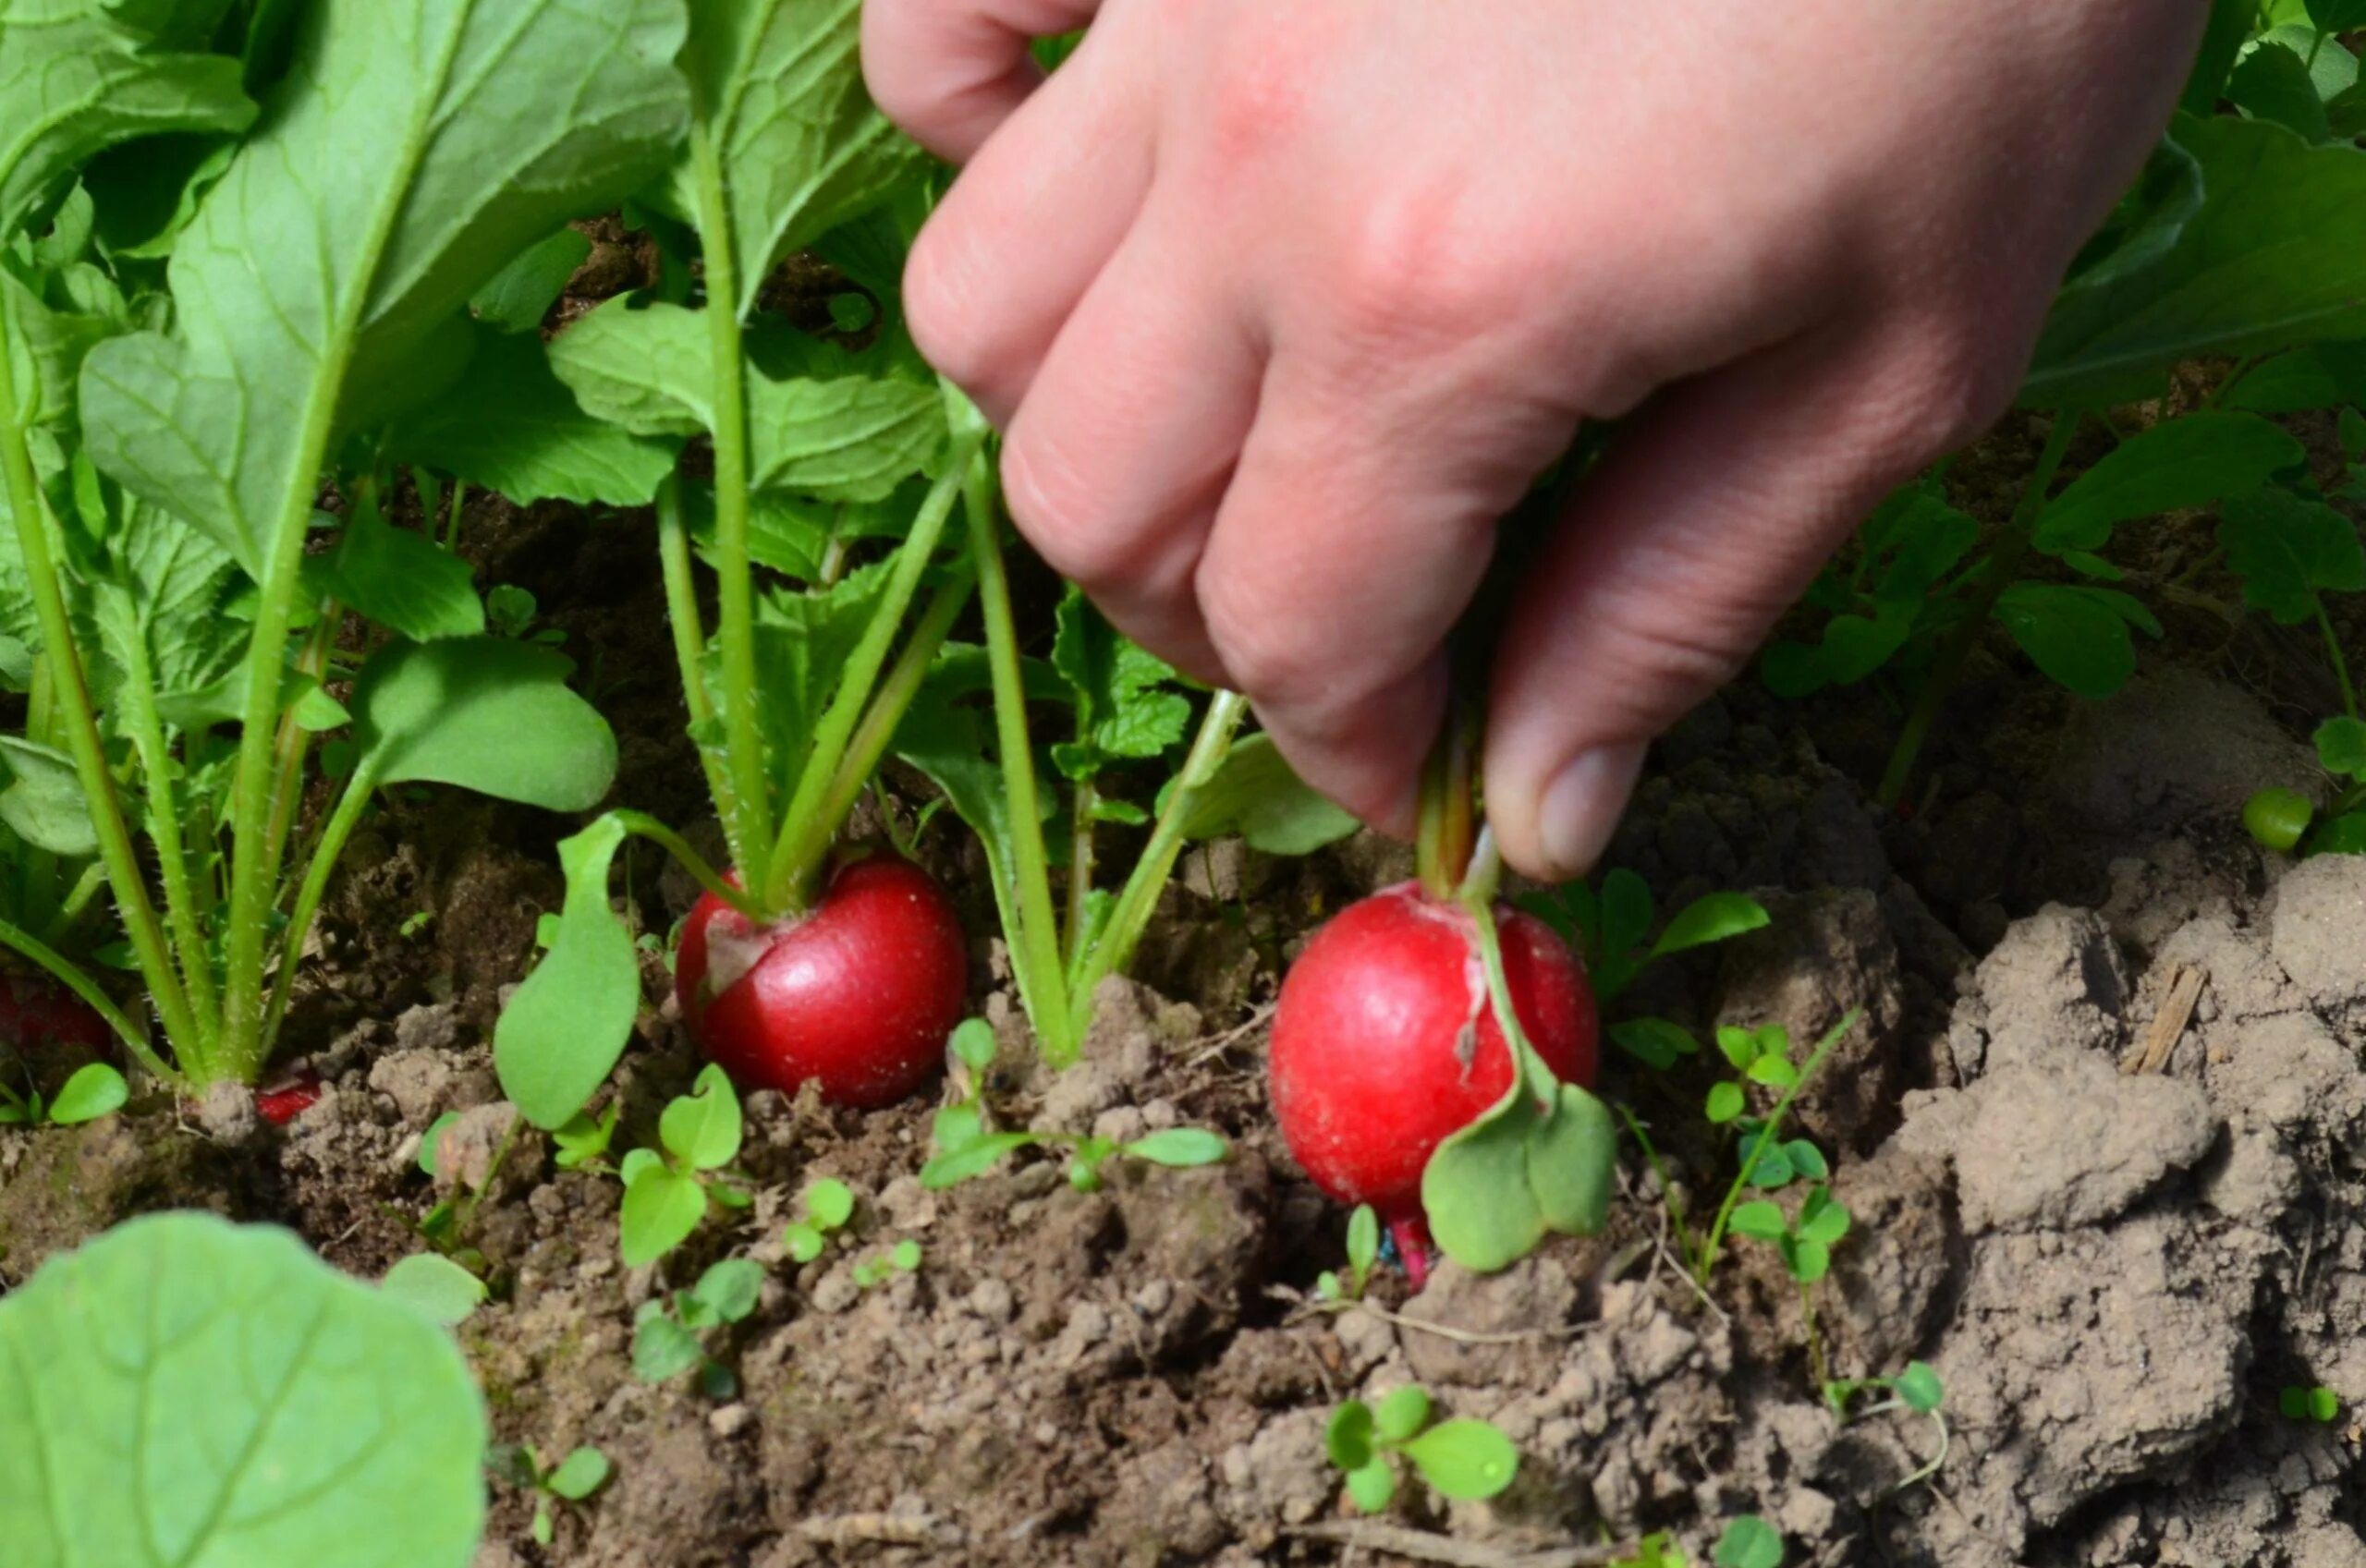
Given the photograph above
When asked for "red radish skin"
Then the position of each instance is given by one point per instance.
(37, 1011)
(288, 1099)
(1374, 1060)
(858, 996)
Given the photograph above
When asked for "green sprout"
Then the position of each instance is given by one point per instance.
(1749, 1542)
(668, 1190)
(669, 1332)
(1917, 1389)
(2318, 1404)
(1806, 1245)
(1363, 1249)
(93, 1091)
(829, 1204)
(901, 1259)
(1461, 1458)
(572, 1479)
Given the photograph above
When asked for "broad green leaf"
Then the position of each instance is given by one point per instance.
(412, 152)
(2185, 462)
(1255, 795)
(1717, 916)
(1400, 1413)
(780, 88)
(729, 1288)
(185, 1392)
(510, 426)
(2078, 635)
(2287, 548)
(2323, 375)
(972, 1158)
(663, 1349)
(2274, 256)
(1464, 1459)
(841, 435)
(160, 598)
(1349, 1438)
(516, 298)
(1749, 1542)
(45, 351)
(582, 1473)
(80, 76)
(1126, 704)
(95, 1090)
(1180, 1145)
(2341, 745)
(662, 1207)
(561, 1034)
(485, 714)
(403, 581)
(1482, 1207)
(43, 803)
(1920, 1387)
(702, 1128)
(1572, 1162)
(2272, 83)
(434, 1286)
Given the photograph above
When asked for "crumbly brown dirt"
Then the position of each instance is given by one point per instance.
(2114, 1273)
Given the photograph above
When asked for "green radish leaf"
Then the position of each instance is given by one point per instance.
(1482, 1207)
(830, 1202)
(582, 1473)
(1759, 1219)
(1920, 1387)
(729, 1288)
(2324, 1403)
(45, 350)
(2077, 635)
(2272, 83)
(1572, 1162)
(663, 1349)
(2324, 376)
(803, 639)
(1180, 1147)
(1254, 793)
(561, 1033)
(435, 1286)
(2274, 256)
(2341, 745)
(1625, 912)
(93, 1091)
(1717, 916)
(2345, 834)
(324, 1388)
(511, 427)
(955, 1127)
(1400, 1414)
(1655, 1042)
(2184, 462)
(1749, 1542)
(803, 1241)
(801, 148)
(1464, 1459)
(634, 1161)
(81, 76)
(1349, 1438)
(972, 1158)
(516, 298)
(702, 1128)
(44, 804)
(323, 277)
(1726, 1101)
(1127, 706)
(662, 1207)
(402, 580)
(485, 714)
(2287, 548)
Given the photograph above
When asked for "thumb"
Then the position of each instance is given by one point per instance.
(1710, 516)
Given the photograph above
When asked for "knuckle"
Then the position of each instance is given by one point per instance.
(1417, 274)
(1054, 504)
(940, 306)
(1947, 383)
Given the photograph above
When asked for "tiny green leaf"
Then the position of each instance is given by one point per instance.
(830, 1203)
(955, 1127)
(662, 1348)
(1807, 1260)
(1372, 1486)
(1821, 1218)
(1717, 916)
(906, 1254)
(1806, 1160)
(2341, 745)
(1348, 1439)
(1749, 1542)
(1180, 1145)
(1774, 1072)
(1759, 1219)
(2324, 1403)
(974, 1044)
(662, 1207)
(91, 1093)
(436, 1286)
(729, 1288)
(2275, 818)
(804, 1242)
(1738, 1045)
(564, 1030)
(971, 1159)
(1655, 1042)
(434, 1136)
(580, 1474)
(1402, 1412)
(1363, 1240)
(1725, 1102)
(703, 1127)
(1464, 1459)
(1918, 1386)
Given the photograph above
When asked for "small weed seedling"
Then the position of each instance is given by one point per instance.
(572, 1479)
(669, 1189)
(582, 1142)
(667, 1335)
(2319, 1404)
(1609, 928)
(1749, 1542)
(510, 611)
(1805, 1243)
(1658, 1551)
(1462, 1458)
(1917, 1389)
(442, 1226)
(1363, 1249)
(829, 1204)
(442, 1290)
(901, 1259)
(965, 1148)
(93, 1091)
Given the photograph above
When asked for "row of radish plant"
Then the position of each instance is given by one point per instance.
(275, 280)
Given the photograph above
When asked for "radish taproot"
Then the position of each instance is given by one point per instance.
(859, 995)
(1384, 1045)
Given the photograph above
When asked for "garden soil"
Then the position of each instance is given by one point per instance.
(2098, 1130)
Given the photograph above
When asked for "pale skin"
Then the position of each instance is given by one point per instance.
(1281, 307)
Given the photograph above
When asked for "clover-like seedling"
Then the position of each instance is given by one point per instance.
(572, 1479)
(1363, 1249)
(829, 1204)
(93, 1091)
(583, 1139)
(668, 1333)
(1805, 1241)
(901, 1259)
(1762, 1055)
(1461, 1458)
(1749, 1542)
(414, 923)
(669, 1189)
(1917, 1389)
(2319, 1404)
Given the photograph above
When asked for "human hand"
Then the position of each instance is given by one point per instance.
(1282, 307)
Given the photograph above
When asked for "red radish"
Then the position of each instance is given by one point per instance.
(289, 1097)
(36, 1010)
(858, 995)
(1375, 1060)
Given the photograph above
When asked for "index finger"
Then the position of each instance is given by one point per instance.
(950, 71)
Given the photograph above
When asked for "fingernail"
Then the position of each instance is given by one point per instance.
(1583, 805)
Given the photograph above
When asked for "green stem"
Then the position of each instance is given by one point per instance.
(1138, 900)
(642, 825)
(793, 859)
(1715, 1242)
(2004, 562)
(137, 697)
(81, 985)
(689, 640)
(340, 826)
(1448, 820)
(76, 904)
(747, 824)
(36, 868)
(1035, 945)
(2334, 655)
(452, 526)
(71, 702)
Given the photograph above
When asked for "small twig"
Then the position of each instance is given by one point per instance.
(1219, 1044)
(1474, 1336)
(2161, 1037)
(880, 1529)
(1424, 1547)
